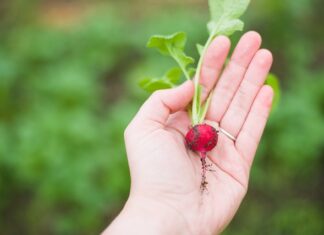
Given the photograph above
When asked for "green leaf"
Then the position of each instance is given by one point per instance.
(173, 75)
(173, 45)
(224, 16)
(228, 28)
(153, 84)
(192, 72)
(165, 44)
(273, 81)
(200, 49)
(229, 9)
(182, 58)
(168, 80)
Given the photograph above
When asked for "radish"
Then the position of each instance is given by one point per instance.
(202, 138)
(225, 14)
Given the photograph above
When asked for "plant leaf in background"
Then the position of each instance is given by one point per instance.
(224, 16)
(273, 81)
(173, 45)
(169, 80)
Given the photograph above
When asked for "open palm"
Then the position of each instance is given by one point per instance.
(167, 175)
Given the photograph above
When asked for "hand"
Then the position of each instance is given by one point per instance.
(165, 195)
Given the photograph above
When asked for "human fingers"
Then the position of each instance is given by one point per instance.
(233, 75)
(254, 79)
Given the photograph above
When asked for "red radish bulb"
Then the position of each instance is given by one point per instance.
(202, 138)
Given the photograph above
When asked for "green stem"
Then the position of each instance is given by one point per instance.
(185, 72)
(205, 108)
(196, 108)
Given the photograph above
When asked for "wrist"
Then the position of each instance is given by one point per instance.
(147, 216)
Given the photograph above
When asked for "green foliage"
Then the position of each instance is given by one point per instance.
(61, 157)
(200, 49)
(273, 81)
(224, 20)
(169, 80)
(225, 16)
(167, 44)
(173, 45)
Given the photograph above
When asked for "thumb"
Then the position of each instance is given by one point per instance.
(162, 103)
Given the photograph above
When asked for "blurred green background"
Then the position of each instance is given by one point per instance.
(68, 88)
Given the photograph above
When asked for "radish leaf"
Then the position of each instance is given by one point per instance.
(173, 75)
(153, 84)
(227, 29)
(169, 80)
(224, 16)
(192, 72)
(225, 20)
(200, 49)
(167, 43)
(173, 45)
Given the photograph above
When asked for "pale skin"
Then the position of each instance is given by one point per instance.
(165, 196)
